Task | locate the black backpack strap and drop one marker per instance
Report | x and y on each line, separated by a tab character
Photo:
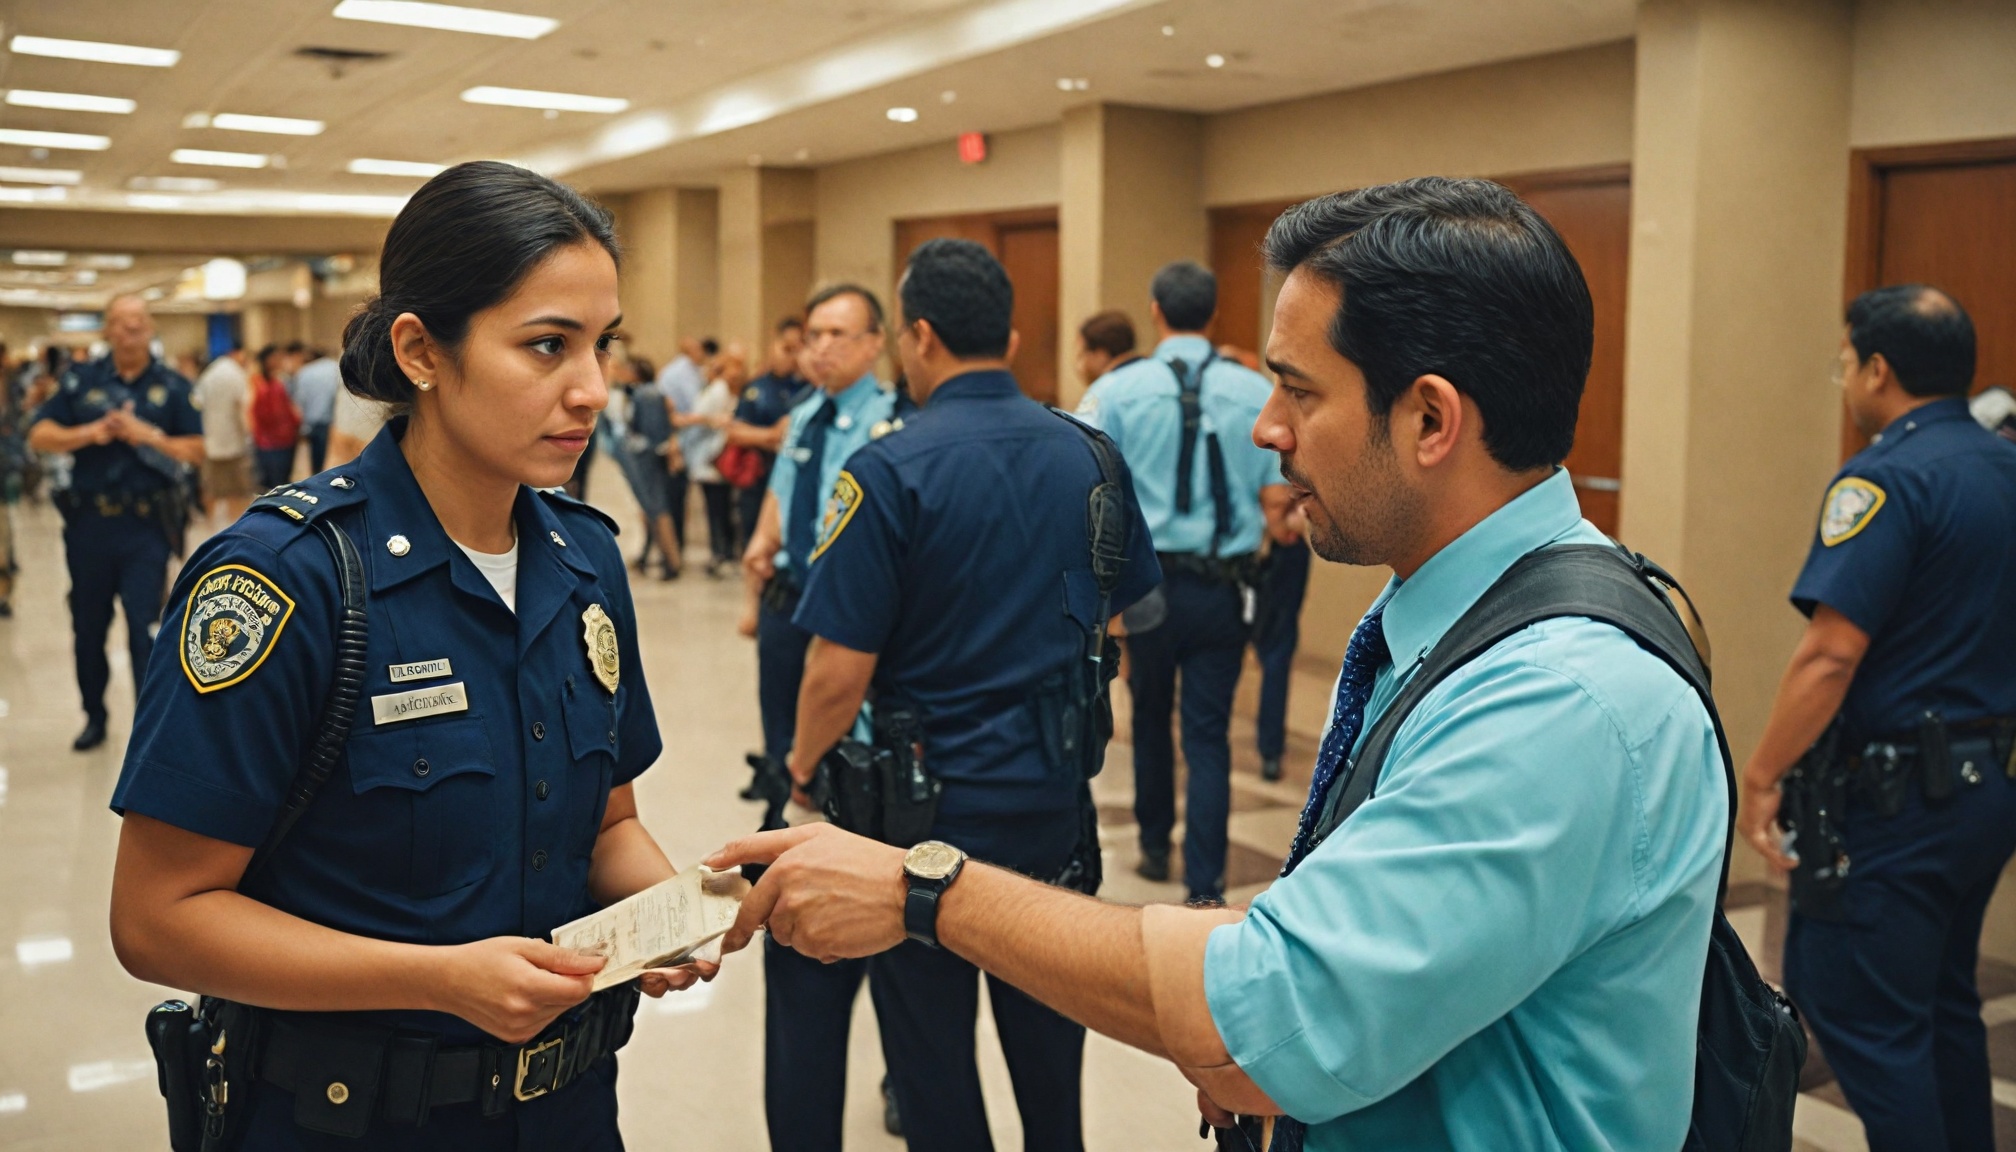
1108	525
1190	395
1600	582
339	710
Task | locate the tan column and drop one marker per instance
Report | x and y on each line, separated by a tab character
766	249
1131	200
669	266
1739	210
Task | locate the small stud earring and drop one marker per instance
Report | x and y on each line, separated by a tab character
423	385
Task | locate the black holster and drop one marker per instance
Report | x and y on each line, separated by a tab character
881	790
206	1059
1814	796
1074	716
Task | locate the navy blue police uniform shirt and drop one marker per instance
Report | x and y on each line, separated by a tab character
159	395
768	399
955	548
470	793
1917	547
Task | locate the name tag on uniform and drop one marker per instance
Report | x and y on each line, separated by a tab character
419	703
420	670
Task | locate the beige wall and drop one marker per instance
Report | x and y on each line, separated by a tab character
1566	110
859	201
1933	70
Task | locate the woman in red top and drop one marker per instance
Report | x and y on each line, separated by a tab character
274	420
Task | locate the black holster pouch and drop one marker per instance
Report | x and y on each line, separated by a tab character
1814	796
881	790
1935	758
206	1059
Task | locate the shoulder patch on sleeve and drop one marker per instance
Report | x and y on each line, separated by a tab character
234	617
1851	504
840	508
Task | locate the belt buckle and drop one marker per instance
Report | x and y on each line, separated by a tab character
544	1072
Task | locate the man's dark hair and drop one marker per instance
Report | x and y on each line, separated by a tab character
1459	279
835	291
296	348
462	244
1110	332
710	346
964	292
1925	335
790	324
1187	293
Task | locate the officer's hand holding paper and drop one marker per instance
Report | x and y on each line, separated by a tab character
668	934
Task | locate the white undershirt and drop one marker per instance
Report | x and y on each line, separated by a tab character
501	571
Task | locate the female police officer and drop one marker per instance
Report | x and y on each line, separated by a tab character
484	793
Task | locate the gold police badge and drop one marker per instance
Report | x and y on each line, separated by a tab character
600	633
233	618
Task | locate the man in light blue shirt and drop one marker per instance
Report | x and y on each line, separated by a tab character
1183	420
1504	946
315	388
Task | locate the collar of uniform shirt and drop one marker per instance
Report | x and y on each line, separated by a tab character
856	396
987	383
1422	608
1946	408
1183	346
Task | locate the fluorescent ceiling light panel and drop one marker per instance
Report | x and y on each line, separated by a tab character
278	125
173	184
530	98
68	101
219	159
903	115
116	261
38	259
446	17
94	51
41	175
365	167
76	141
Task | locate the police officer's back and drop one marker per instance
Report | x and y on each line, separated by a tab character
1904	685
956	574
128	420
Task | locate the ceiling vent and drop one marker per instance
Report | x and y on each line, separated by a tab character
340	60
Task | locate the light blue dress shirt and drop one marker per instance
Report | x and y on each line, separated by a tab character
863	406
1503	947
315	388
1137	405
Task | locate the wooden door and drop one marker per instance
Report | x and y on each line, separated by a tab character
1944	215
1236	234
1026	244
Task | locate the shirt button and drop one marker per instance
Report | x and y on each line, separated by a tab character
612	737
421	767
538	730
542	790
538	859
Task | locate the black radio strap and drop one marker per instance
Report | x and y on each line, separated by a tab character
1190	395
339	710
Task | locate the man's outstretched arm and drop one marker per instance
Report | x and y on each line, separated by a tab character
1134	974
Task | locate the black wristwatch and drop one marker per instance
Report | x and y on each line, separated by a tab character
931	867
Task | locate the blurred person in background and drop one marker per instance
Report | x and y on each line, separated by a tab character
15	462
132	432
762	417
275	421
1105	342
681	383
1277	632
715	408
654	453
315	386
224	396
354	421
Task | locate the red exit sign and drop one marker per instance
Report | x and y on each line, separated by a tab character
972	147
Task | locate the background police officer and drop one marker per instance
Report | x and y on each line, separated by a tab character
762	415
954	574
1203	484
809	1005
1912	644
128	422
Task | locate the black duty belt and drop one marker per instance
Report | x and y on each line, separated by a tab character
400	1077
108	504
1973	749
1243	569
781	594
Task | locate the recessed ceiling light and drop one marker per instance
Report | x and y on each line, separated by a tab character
1168	29
94	51
41	175
40	259
277	125
68	101
531	98
902	115
446	18
85	276
74	140
947	96
1214	60
1073	84
173	184
219	159
395	168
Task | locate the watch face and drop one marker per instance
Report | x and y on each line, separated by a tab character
932	860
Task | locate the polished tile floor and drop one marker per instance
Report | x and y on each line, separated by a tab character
74	1068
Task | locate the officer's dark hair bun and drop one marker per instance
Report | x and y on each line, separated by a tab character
462	244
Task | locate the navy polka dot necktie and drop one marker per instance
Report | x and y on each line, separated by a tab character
805	494
1365	656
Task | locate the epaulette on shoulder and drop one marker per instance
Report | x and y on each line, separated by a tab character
563	503
313	497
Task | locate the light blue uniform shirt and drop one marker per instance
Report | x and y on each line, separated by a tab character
315	388
1503	947
863	405
1137	405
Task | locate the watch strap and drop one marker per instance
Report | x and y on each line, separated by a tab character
920	910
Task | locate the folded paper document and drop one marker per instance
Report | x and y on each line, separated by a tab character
660	927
